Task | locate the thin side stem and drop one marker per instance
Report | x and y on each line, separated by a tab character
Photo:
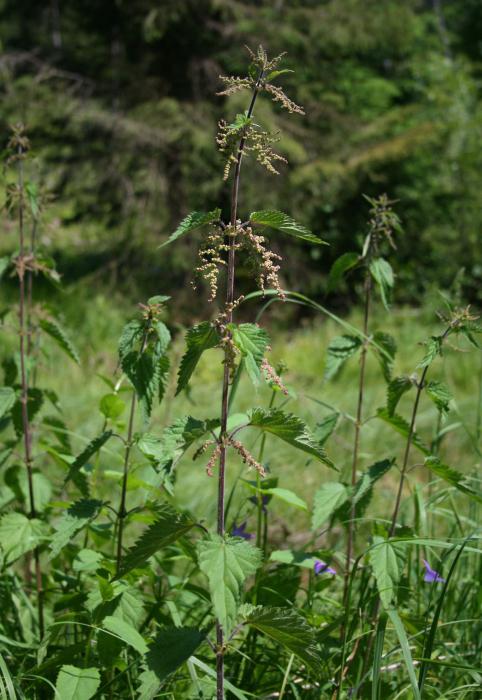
225	390
358	425
27	432
121	515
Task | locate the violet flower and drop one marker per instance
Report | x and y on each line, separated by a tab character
321	567
240	531
431	576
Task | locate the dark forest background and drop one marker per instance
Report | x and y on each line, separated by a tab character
119	99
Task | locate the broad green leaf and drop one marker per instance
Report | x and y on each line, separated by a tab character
290	429
192	221
57	333
131	335
198	339
77	683
172	647
440	395
434	348
126	632
339	350
363	490
385	348
87	560
396	389
166	450
168	527
147	373
89	451
385	559
79	514
282	222
16	477
401	426
452	477
325	428
286	496
288	628
112	406
7	399
19	534
382	273
227	563
252	342
327	499
345	262
117	599
406	653
287	556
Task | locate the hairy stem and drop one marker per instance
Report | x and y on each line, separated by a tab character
358	425
225	389
27	431
121	515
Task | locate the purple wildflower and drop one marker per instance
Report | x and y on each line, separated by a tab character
431	576
321	567
240	531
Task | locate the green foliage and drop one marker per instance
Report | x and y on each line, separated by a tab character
252	342
290	429
126	632
77	683
339	350
193	221
19	534
328	499
288	628
227	562
7	399
401	426
168	527
440	395
53	329
172	647
78	515
396	389
452	477
385	561
199	338
385	348
284	223
75	474
382	273
343	264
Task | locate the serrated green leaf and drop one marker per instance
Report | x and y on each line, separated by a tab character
345	262
396	389
452	477
192	221
172	647
16	477
89	451
144	371
19	534
87	560
282	222
339	350
401	426
78	515
327	499
382	273
227	563
132	334
384	559
288	628
57	333
290	429
252	342
126	632
363	490
434	348
117	599
7	399
199	338
168	527
385	348
77	683
440	395
165	451
326	427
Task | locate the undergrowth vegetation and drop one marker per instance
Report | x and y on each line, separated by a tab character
218	531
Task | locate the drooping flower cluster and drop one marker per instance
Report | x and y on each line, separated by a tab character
243	452
211	260
272	376
264	260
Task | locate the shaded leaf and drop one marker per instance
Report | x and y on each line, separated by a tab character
7	399
34	404
396	389
385	348
19	534
339	350
401	426
89	451
57	333
172	647
325	428
227	563
434	348
382	273
282	222
169	526
440	395
126	632
199	338
166	450
345	262
452	477
78	515
288	628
